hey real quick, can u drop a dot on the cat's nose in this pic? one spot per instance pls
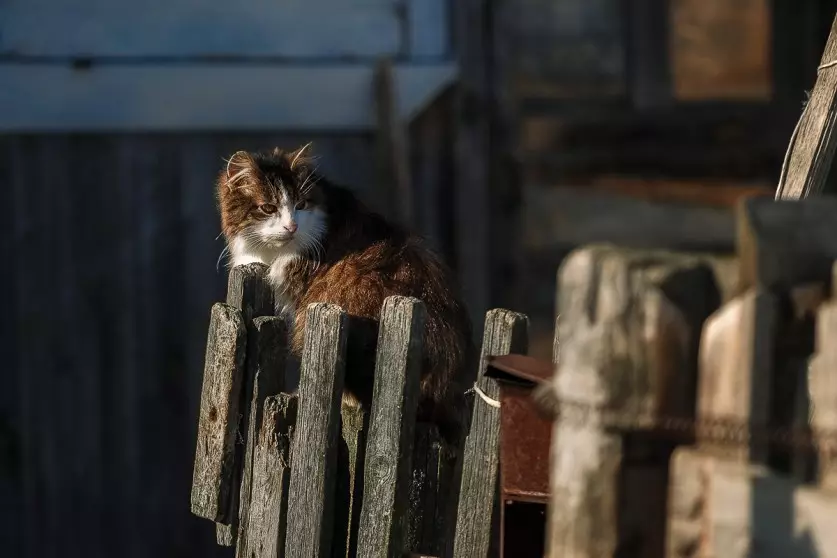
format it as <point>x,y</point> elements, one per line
<point>291,227</point>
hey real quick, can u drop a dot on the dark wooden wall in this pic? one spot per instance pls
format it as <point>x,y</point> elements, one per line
<point>109,244</point>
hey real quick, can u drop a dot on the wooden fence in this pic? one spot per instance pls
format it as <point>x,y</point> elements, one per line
<point>302,475</point>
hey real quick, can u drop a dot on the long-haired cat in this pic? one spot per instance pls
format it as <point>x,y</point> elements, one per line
<point>323,245</point>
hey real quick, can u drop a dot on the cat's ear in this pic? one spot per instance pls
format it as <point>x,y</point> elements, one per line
<point>297,156</point>
<point>240,166</point>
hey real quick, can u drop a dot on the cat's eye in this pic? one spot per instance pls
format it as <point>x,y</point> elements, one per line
<point>302,204</point>
<point>268,208</point>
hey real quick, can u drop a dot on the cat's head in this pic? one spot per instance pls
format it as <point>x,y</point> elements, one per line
<point>272,200</point>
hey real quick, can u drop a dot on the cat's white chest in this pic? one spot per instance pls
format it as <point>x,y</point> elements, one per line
<point>278,276</point>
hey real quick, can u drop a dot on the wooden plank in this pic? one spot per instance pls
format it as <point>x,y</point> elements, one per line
<point>811,148</point>
<point>391,139</point>
<point>389,446</point>
<point>822,394</point>
<point>266,354</point>
<point>781,244</point>
<point>736,371</point>
<point>478,509</point>
<point>648,53</point>
<point>187,28</point>
<point>247,290</point>
<point>712,193</point>
<point>629,330</point>
<point>471,149</point>
<point>216,97</point>
<point>313,452</point>
<point>267,517</point>
<point>732,509</point>
<point>213,481</point>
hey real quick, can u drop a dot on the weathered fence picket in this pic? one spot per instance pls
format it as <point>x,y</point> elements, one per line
<point>248,291</point>
<point>268,510</point>
<point>389,445</point>
<point>314,447</point>
<point>266,352</point>
<point>212,483</point>
<point>478,509</point>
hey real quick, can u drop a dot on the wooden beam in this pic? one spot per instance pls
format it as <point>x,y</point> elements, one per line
<point>209,97</point>
<point>812,144</point>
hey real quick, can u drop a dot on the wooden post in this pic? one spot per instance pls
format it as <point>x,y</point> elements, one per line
<point>351,452</point>
<point>213,482</point>
<point>811,149</point>
<point>736,371</point>
<point>313,455</point>
<point>629,335</point>
<point>393,164</point>
<point>267,356</point>
<point>822,391</point>
<point>267,515</point>
<point>737,510</point>
<point>478,509</point>
<point>248,291</point>
<point>391,428</point>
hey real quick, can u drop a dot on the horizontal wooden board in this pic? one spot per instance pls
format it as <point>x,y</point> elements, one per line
<point>292,28</point>
<point>714,193</point>
<point>38,98</point>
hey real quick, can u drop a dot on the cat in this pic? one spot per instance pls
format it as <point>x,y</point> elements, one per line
<point>322,244</point>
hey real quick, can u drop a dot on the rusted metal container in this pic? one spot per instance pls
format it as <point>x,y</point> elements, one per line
<point>524,454</point>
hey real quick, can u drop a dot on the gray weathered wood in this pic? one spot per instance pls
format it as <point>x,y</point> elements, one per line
<point>213,480</point>
<point>311,491</point>
<point>428,495</point>
<point>248,291</point>
<point>266,362</point>
<point>392,423</point>
<point>629,331</point>
<point>267,513</point>
<point>822,393</point>
<point>736,370</point>
<point>349,493</point>
<point>811,148</point>
<point>478,512</point>
<point>781,244</point>
<point>738,510</point>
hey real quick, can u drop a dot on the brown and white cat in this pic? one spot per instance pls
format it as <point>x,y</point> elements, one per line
<point>323,245</point>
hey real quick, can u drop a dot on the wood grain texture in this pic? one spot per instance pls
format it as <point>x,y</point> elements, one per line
<point>264,530</point>
<point>351,453</point>
<point>266,355</point>
<point>736,510</point>
<point>478,509</point>
<point>212,483</point>
<point>736,368</point>
<point>247,290</point>
<point>812,144</point>
<point>629,330</point>
<point>314,449</point>
<point>389,445</point>
<point>784,243</point>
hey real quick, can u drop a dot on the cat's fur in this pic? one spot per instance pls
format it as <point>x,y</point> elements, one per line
<point>344,254</point>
